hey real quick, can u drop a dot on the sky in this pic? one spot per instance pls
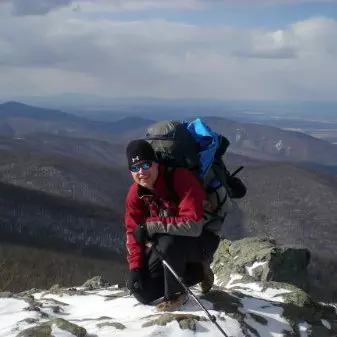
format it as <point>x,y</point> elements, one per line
<point>213,49</point>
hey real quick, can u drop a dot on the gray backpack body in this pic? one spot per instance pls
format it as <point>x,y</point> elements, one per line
<point>173,144</point>
<point>176,147</point>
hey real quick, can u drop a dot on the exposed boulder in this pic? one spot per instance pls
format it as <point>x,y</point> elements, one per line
<point>4,294</point>
<point>186,321</point>
<point>262,260</point>
<point>96,282</point>
<point>46,329</point>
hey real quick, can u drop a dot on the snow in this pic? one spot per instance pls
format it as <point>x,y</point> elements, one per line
<point>254,288</point>
<point>259,308</point>
<point>303,328</point>
<point>255,265</point>
<point>85,310</point>
<point>11,312</point>
<point>233,278</point>
<point>326,324</point>
<point>272,314</point>
<point>279,145</point>
<point>56,332</point>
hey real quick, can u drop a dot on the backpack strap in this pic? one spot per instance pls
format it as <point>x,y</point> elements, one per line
<point>214,214</point>
<point>173,196</point>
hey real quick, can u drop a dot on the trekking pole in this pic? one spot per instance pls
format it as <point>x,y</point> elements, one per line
<point>237,171</point>
<point>188,290</point>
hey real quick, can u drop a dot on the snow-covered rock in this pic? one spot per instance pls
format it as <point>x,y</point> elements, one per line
<point>250,298</point>
<point>241,309</point>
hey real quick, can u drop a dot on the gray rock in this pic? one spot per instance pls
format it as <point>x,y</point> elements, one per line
<point>116,325</point>
<point>184,320</point>
<point>55,287</point>
<point>45,329</point>
<point>66,291</point>
<point>28,293</point>
<point>57,309</point>
<point>232,306</point>
<point>34,305</point>
<point>103,318</point>
<point>282,263</point>
<point>188,324</point>
<point>124,292</point>
<point>70,327</point>
<point>53,300</point>
<point>4,294</point>
<point>96,283</point>
<point>30,320</point>
<point>298,307</point>
<point>259,319</point>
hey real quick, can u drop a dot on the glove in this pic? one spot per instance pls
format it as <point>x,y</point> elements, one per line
<point>140,233</point>
<point>135,282</point>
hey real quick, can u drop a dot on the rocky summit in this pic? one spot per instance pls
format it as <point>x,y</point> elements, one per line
<point>261,259</point>
<point>251,298</point>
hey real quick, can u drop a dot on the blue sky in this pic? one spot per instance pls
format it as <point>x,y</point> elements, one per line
<point>170,48</point>
<point>272,16</point>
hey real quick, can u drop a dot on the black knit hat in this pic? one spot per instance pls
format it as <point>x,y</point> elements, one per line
<point>138,150</point>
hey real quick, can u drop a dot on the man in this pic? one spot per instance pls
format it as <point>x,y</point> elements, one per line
<point>175,228</point>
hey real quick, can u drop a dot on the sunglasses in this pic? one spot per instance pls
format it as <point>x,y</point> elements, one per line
<point>145,166</point>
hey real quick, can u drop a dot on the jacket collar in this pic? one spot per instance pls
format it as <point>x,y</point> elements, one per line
<point>144,192</point>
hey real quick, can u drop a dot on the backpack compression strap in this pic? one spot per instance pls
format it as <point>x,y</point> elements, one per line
<point>174,197</point>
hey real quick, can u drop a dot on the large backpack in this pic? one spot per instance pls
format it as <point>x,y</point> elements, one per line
<point>198,148</point>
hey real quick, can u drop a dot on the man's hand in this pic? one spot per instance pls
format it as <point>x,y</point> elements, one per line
<point>140,233</point>
<point>135,282</point>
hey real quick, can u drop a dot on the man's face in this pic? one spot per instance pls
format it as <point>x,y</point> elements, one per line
<point>145,173</point>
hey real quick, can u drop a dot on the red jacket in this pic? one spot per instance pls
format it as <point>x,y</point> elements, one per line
<point>162,215</point>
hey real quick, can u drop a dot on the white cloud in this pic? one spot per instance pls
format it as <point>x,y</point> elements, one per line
<point>61,51</point>
<point>41,7</point>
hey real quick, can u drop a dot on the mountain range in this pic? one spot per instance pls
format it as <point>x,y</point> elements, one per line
<point>64,180</point>
<point>253,140</point>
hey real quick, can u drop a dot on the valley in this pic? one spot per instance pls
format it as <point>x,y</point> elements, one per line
<point>63,181</point>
